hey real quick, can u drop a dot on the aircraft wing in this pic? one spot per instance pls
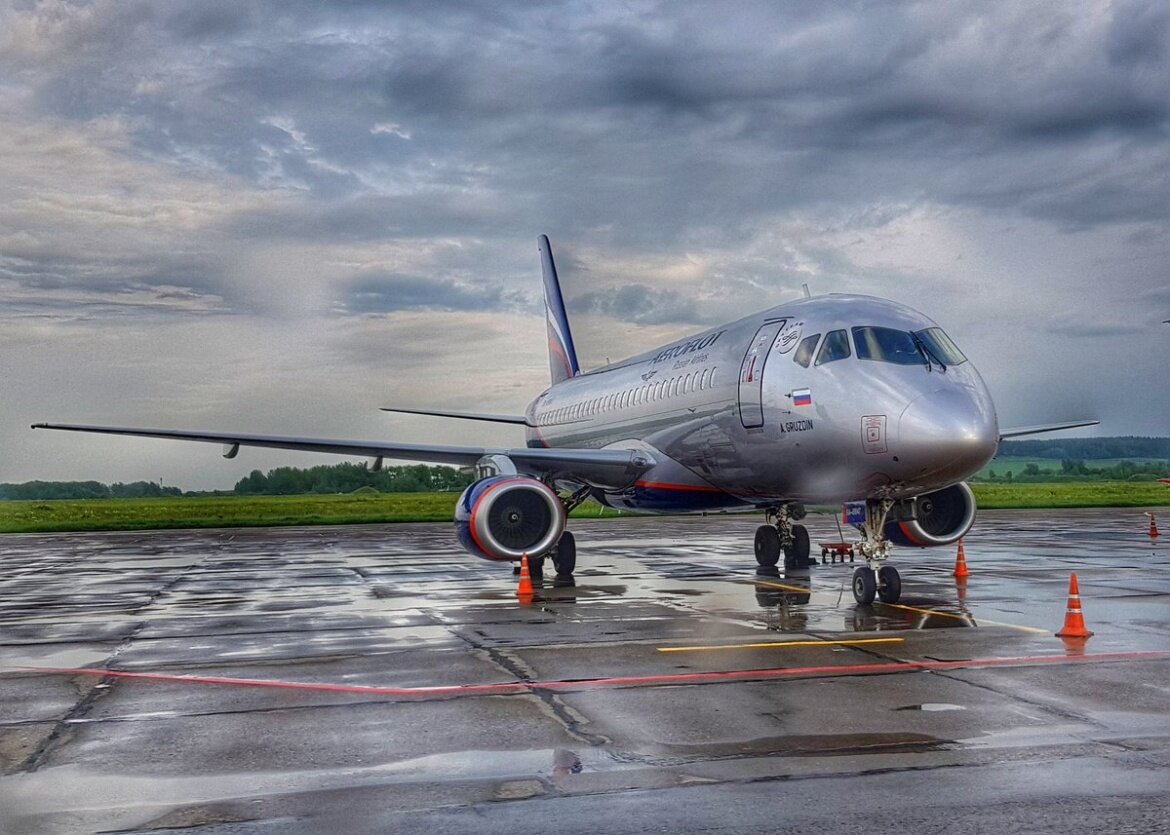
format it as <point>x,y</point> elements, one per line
<point>1048,427</point>
<point>520,419</point>
<point>603,466</point>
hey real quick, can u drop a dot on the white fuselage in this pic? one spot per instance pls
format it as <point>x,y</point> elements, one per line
<point>747,413</point>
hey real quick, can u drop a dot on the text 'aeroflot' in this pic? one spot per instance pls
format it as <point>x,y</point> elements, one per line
<point>831,399</point>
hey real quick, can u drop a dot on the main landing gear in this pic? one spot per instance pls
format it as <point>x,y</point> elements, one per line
<point>875,579</point>
<point>564,561</point>
<point>564,554</point>
<point>781,535</point>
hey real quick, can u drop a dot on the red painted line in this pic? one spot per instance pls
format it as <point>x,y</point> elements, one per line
<point>520,687</point>
<point>694,488</point>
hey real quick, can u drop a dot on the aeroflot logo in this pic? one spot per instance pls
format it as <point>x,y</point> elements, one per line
<point>697,344</point>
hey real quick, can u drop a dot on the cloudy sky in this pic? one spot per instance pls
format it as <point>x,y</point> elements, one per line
<point>279,216</point>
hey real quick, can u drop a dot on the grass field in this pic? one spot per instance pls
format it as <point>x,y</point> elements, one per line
<point>1073,494</point>
<point>262,511</point>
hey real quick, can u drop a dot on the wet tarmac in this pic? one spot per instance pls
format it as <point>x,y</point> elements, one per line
<point>375,679</point>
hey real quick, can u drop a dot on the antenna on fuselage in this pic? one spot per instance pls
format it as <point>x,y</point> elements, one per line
<point>807,294</point>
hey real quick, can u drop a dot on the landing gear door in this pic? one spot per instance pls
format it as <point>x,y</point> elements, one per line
<point>751,374</point>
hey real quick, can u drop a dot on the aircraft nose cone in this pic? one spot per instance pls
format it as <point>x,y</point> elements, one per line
<point>948,434</point>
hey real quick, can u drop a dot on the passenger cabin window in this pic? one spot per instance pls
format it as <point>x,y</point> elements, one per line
<point>887,345</point>
<point>804,351</point>
<point>836,347</point>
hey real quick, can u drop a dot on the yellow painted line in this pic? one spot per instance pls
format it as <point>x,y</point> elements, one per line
<point>936,613</point>
<point>770,644</point>
<point>769,584</point>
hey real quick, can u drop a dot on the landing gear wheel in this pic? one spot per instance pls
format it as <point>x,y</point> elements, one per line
<point>536,570</point>
<point>767,546</point>
<point>864,585</point>
<point>565,556</point>
<point>889,584</point>
<point>796,554</point>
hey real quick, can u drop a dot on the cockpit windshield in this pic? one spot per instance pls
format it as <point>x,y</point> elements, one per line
<point>887,345</point>
<point>925,347</point>
<point>940,347</point>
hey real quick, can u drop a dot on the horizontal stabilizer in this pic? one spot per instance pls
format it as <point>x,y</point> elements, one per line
<point>1048,427</point>
<point>517,419</point>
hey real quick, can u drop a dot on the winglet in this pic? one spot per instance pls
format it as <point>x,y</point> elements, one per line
<point>562,356</point>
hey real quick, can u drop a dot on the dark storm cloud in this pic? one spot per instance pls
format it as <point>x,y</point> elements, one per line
<point>780,107</point>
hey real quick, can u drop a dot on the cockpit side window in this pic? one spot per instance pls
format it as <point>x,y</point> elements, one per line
<point>887,345</point>
<point>940,346</point>
<point>835,347</point>
<point>804,351</point>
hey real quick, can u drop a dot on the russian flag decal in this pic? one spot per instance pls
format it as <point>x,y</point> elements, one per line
<point>802,397</point>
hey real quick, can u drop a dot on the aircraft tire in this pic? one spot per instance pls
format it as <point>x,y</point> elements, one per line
<point>889,584</point>
<point>767,546</point>
<point>536,570</point>
<point>796,554</point>
<point>864,585</point>
<point>565,556</point>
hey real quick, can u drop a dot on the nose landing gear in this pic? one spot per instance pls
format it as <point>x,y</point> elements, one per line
<point>885,584</point>
<point>875,579</point>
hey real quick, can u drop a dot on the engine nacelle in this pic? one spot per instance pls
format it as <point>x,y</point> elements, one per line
<point>504,517</point>
<point>937,518</point>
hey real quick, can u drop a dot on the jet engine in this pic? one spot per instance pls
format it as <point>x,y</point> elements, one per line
<point>937,518</point>
<point>504,517</point>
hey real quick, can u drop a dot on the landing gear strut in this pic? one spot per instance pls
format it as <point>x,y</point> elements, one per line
<point>781,535</point>
<point>564,553</point>
<point>875,579</point>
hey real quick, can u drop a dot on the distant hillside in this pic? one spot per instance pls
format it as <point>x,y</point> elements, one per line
<point>1087,449</point>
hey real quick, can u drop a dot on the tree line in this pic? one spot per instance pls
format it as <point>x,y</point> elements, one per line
<point>1075,469</point>
<point>1087,449</point>
<point>85,490</point>
<point>346,478</point>
<point>282,481</point>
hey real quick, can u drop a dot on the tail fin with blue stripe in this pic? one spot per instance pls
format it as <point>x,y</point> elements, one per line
<point>562,356</point>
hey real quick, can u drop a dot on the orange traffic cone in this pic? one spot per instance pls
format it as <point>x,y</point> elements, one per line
<point>525,591</point>
<point>1153,526</point>
<point>1074,621</point>
<point>961,592</point>
<point>961,571</point>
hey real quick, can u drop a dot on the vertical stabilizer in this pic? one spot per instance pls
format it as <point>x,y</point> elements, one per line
<point>562,356</point>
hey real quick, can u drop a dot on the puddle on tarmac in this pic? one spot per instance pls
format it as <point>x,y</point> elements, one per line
<point>932,707</point>
<point>809,745</point>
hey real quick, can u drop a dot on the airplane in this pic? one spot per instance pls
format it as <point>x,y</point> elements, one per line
<point>827,399</point>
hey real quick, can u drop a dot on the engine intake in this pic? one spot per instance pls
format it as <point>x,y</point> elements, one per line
<point>937,518</point>
<point>504,517</point>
